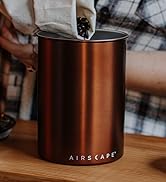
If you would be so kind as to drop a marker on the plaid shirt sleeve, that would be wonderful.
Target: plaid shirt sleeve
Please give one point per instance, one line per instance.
(145, 22)
(153, 12)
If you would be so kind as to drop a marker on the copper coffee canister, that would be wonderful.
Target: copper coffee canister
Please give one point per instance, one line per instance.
(81, 95)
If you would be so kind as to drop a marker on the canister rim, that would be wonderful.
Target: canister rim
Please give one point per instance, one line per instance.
(105, 36)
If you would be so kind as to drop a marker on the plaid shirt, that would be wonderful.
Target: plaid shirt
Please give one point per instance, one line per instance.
(11, 81)
(145, 22)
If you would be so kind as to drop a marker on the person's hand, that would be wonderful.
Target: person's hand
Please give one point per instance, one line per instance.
(24, 53)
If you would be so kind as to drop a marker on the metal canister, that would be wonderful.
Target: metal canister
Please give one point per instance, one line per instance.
(81, 95)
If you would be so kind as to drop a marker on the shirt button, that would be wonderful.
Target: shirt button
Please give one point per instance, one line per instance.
(103, 15)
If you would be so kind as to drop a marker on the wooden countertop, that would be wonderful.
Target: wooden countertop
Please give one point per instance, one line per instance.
(144, 161)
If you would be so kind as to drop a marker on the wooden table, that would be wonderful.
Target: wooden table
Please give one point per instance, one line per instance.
(144, 161)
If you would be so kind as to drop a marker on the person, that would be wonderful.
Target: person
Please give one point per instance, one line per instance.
(144, 21)
(145, 66)
(16, 82)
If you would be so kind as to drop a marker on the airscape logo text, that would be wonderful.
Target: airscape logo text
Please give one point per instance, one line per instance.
(92, 157)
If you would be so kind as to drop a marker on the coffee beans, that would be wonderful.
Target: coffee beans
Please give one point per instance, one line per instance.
(83, 26)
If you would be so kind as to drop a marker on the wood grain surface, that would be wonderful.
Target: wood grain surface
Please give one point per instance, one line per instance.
(144, 161)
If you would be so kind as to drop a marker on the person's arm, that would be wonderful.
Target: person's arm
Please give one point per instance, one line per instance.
(9, 42)
(24, 52)
(146, 71)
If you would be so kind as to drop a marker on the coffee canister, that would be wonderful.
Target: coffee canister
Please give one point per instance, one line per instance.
(81, 98)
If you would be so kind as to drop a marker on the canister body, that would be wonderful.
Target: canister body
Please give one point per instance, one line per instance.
(81, 95)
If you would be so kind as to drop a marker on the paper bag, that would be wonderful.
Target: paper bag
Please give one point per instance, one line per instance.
(22, 15)
(57, 16)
